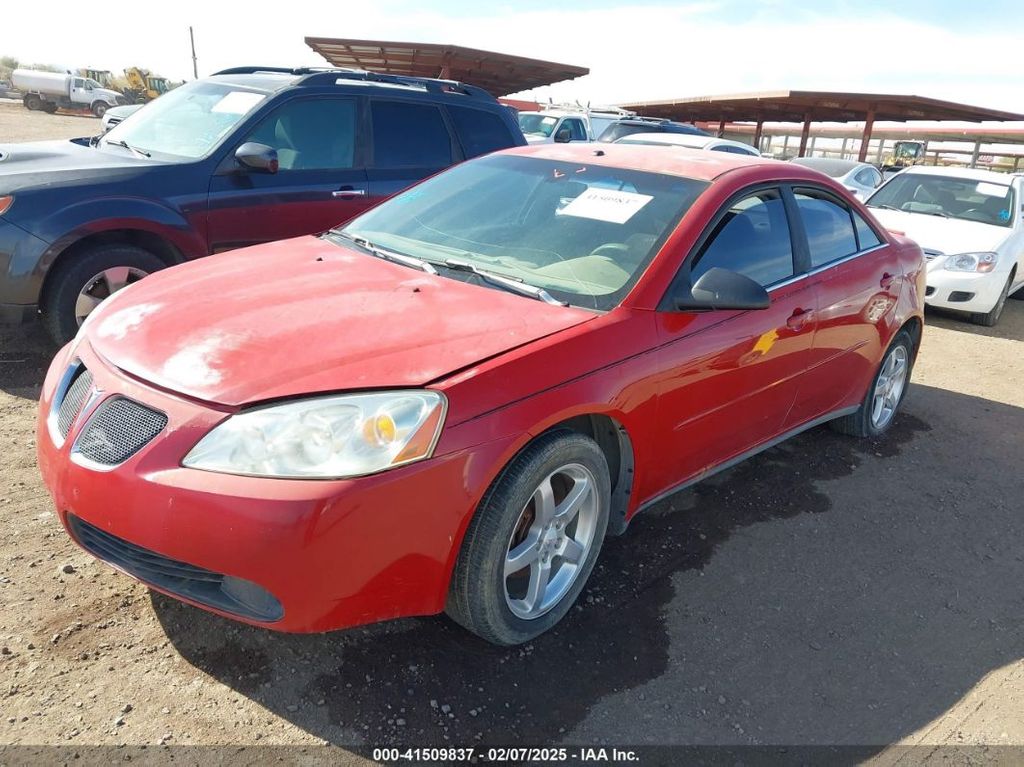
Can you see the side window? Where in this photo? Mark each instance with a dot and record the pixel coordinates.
(311, 134)
(576, 130)
(866, 237)
(409, 135)
(752, 239)
(731, 150)
(79, 83)
(868, 177)
(480, 132)
(830, 234)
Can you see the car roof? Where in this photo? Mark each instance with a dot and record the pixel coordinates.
(676, 139)
(830, 166)
(974, 174)
(687, 162)
(264, 81)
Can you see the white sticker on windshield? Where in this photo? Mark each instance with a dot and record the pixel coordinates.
(606, 205)
(238, 102)
(992, 190)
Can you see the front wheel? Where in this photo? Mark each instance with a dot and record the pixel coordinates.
(99, 108)
(990, 318)
(885, 394)
(84, 279)
(533, 541)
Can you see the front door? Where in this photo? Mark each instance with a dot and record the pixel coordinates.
(731, 377)
(321, 181)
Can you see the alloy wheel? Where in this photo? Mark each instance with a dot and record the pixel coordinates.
(103, 285)
(889, 387)
(551, 540)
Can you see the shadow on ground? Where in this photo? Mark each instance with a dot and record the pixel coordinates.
(426, 680)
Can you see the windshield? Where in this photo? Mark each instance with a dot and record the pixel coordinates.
(947, 196)
(187, 122)
(909, 150)
(583, 233)
(538, 125)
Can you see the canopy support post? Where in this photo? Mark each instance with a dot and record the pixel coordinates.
(865, 139)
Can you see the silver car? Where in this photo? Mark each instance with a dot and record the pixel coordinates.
(858, 177)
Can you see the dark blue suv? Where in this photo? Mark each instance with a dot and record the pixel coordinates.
(249, 155)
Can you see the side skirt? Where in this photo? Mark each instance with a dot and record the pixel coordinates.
(711, 471)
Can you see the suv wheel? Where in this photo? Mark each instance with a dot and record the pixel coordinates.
(82, 281)
(885, 394)
(533, 541)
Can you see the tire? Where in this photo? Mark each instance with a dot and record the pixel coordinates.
(99, 108)
(32, 102)
(493, 605)
(863, 422)
(66, 284)
(990, 318)
(49, 107)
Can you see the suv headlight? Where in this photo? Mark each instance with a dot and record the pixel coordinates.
(972, 262)
(325, 437)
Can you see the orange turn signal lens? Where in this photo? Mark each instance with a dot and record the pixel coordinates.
(5, 203)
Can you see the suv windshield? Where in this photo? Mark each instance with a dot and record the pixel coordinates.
(187, 122)
(583, 233)
(538, 125)
(947, 196)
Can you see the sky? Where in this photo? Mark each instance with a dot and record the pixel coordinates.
(948, 49)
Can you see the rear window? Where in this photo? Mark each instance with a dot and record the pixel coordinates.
(480, 132)
(409, 135)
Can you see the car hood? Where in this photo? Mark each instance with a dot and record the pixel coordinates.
(304, 316)
(44, 163)
(943, 235)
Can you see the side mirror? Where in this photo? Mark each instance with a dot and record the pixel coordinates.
(721, 288)
(563, 136)
(257, 157)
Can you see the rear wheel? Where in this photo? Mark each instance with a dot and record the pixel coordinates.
(32, 101)
(49, 107)
(81, 282)
(885, 395)
(990, 318)
(533, 541)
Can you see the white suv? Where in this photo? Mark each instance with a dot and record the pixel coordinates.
(970, 224)
(565, 125)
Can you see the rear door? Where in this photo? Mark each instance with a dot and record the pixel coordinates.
(731, 377)
(858, 282)
(321, 181)
(410, 140)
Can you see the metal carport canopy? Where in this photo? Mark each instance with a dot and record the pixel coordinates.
(499, 73)
(816, 106)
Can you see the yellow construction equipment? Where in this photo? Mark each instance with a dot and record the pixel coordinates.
(143, 85)
(905, 154)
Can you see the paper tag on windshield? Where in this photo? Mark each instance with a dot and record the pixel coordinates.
(606, 205)
(992, 190)
(238, 102)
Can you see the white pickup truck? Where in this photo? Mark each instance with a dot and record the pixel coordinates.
(50, 91)
(565, 125)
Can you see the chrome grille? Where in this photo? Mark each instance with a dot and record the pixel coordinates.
(118, 429)
(73, 400)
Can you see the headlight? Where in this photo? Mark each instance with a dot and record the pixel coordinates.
(325, 437)
(972, 262)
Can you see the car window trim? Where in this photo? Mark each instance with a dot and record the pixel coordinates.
(684, 270)
(835, 198)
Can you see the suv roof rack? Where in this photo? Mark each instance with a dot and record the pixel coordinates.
(330, 76)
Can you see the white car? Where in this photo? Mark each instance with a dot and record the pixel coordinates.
(710, 143)
(970, 224)
(565, 125)
(858, 177)
(114, 115)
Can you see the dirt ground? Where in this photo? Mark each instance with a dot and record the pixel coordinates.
(827, 592)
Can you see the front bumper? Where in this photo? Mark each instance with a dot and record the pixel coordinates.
(332, 554)
(963, 291)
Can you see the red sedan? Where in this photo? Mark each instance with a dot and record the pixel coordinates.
(448, 403)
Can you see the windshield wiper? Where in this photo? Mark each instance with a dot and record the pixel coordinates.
(884, 207)
(387, 255)
(936, 213)
(129, 147)
(513, 285)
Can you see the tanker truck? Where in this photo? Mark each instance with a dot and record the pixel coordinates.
(50, 91)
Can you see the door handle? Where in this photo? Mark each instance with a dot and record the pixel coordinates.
(349, 193)
(886, 281)
(798, 319)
